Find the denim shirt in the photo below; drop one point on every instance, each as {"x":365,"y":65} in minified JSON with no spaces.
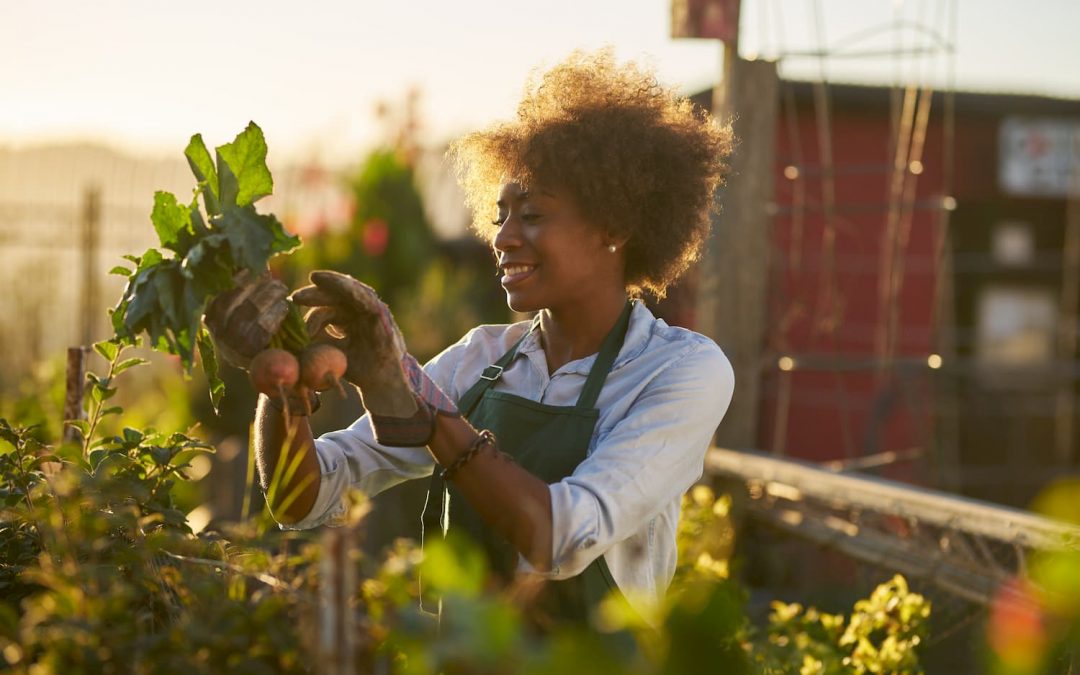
{"x":663,"y":399}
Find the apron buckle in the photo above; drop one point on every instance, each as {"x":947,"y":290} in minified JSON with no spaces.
{"x":492,"y":373}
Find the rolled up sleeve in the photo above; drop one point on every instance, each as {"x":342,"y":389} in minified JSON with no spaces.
{"x":643,"y":462}
{"x":351,"y":459}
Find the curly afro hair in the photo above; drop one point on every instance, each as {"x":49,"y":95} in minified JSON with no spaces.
{"x":638,"y":160}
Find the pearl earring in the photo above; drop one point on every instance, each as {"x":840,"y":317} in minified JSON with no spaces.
{"x":611,"y":248}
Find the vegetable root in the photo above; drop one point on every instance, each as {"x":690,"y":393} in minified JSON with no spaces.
{"x":322,"y":366}
{"x":274,"y":372}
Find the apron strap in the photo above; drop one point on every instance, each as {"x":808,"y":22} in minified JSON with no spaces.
{"x":605,"y":359}
{"x":468,"y":401}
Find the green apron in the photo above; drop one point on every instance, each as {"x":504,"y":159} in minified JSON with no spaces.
{"x":549,"y":442}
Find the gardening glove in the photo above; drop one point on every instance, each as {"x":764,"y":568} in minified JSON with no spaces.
{"x":243,"y":319}
{"x":400,"y":398}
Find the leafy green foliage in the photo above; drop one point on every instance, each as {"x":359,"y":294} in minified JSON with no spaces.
{"x":21,"y":473}
{"x":880,"y":636}
{"x":100,"y":572}
{"x":167,"y":293}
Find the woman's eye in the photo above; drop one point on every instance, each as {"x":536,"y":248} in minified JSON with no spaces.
{"x":530,"y":217}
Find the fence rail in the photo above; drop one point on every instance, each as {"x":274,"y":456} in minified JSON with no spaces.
{"x":964,"y":546}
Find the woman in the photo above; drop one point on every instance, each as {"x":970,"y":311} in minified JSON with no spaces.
{"x":564,"y":443}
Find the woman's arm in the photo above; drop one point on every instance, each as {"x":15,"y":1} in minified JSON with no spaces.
{"x":295,"y":494}
{"x":513,"y":502}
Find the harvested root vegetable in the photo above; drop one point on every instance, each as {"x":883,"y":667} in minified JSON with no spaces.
{"x":273,"y":371}
{"x":322,"y":367}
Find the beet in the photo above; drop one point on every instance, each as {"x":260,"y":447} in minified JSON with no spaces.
{"x":273,"y":371}
{"x":322,"y":366}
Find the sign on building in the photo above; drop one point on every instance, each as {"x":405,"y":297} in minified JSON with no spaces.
{"x":716,"y":19}
{"x":1038,"y":157}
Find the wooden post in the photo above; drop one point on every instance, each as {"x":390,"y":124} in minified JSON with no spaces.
{"x":733,"y":278}
{"x":73,"y":396}
{"x":91,"y":224}
{"x":337,"y":629}
{"x":1065,"y":401}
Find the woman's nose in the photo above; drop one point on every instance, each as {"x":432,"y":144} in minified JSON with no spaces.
{"x":508,"y":236}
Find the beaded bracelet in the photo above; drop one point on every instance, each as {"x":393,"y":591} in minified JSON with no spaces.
{"x":485,"y":438}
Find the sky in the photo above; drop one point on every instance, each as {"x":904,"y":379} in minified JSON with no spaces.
{"x":144,"y":75}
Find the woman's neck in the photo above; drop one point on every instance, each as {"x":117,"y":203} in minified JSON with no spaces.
{"x":571,"y":334}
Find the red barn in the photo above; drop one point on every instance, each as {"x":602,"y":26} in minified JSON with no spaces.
{"x":919,"y":297}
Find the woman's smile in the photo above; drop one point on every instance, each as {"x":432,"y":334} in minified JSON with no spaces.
{"x":515,"y":273}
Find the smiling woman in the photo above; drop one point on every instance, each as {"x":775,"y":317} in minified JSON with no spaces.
{"x":637,"y":160}
{"x":561,"y":445}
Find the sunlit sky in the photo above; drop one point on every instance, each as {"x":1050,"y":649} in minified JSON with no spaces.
{"x":146,"y":74}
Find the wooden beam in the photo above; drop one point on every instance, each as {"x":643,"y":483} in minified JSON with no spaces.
{"x":868,"y":493}
{"x":733,"y":277}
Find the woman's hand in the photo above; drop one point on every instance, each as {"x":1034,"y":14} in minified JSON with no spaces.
{"x":243,"y":319}
{"x":400,"y":398}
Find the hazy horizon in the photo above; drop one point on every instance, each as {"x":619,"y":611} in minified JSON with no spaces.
{"x":142,"y":77}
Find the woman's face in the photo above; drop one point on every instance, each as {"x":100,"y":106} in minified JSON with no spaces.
{"x":549,"y":256}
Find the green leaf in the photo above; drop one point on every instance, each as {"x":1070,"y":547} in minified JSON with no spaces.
{"x":283,"y":242}
{"x":208,"y":356}
{"x":151,"y":258}
{"x":140,"y":303}
{"x":6,"y":447}
{"x":114,"y":410}
{"x":120,"y":270}
{"x":116,"y":318}
{"x":208,"y":267}
{"x":172,"y":222}
{"x":96,"y":456}
{"x":185,"y":347}
{"x":82,"y":425}
{"x":128,"y":363}
{"x":107,"y":349}
{"x":254,"y":237}
{"x":228,"y":184}
{"x":160,"y":455}
{"x":132,"y":437}
{"x":198,"y":225}
{"x":169,"y":286}
{"x":100,"y":394}
{"x":202,"y":165}
{"x":245,"y":160}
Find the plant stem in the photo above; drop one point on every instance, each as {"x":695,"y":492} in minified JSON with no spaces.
{"x":20,"y":445}
{"x":96,"y":417}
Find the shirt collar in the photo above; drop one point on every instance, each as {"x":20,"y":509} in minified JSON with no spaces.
{"x":637,"y":338}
